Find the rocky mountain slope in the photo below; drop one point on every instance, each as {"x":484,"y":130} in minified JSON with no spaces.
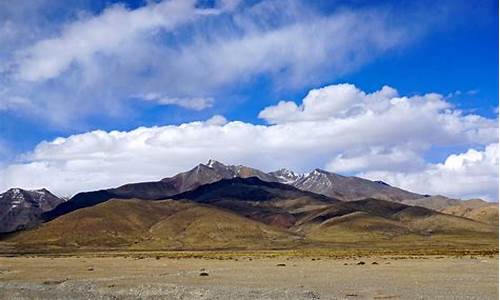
{"x":347,"y":188}
{"x":20,"y":209}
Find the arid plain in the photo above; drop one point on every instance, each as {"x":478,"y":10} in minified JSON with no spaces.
{"x":240,"y":275}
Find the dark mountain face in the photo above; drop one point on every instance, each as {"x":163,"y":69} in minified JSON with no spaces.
{"x":247,"y":189}
{"x":20,"y":209}
{"x":272,"y":203}
{"x":144,"y":190}
{"x":80,"y":200}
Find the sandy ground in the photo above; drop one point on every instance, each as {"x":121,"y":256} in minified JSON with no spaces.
{"x":249,"y":278}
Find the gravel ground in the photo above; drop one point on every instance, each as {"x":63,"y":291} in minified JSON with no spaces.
{"x":249,"y":278}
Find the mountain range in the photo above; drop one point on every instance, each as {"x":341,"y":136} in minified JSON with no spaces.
{"x":317,"y":181}
{"x":216,"y":206}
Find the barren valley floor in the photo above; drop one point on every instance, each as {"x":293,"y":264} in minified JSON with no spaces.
{"x":249,"y":277}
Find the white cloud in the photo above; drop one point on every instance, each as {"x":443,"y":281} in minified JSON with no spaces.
{"x":472,"y":174}
{"x":216,"y":120}
{"x":417,"y":120}
{"x":377,"y":135}
{"x":194,"y":103}
{"x":294,"y":54}
{"x":105,"y":33}
{"x":334,"y":101}
{"x":174,"y":48}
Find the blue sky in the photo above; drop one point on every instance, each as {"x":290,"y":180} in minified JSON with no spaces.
{"x":236,"y":59}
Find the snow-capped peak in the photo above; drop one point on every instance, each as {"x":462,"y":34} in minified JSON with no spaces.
{"x":210,"y":163}
{"x":288,"y":173}
{"x":213,"y":163}
{"x":316,"y":172}
{"x":286,"y":176}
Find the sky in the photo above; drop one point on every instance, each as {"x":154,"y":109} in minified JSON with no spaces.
{"x":100,"y":93}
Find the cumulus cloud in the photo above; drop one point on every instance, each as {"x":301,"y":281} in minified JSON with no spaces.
{"x":419,"y":120}
{"x":377,"y":135}
{"x":472,"y":174}
{"x":178,"y":49}
{"x":336,"y":101}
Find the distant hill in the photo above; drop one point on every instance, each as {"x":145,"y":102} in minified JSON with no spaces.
{"x":476,"y":209}
{"x":436,"y":202}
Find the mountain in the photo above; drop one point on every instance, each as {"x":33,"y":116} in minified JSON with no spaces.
{"x":247,"y":189}
{"x":20,"y":209}
{"x":201,"y":174}
{"x":347,"y":188}
{"x":250,"y":213}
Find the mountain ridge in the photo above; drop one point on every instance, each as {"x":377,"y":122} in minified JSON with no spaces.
{"x":320,"y":182}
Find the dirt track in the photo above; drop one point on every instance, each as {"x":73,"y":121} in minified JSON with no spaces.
{"x":249,"y":278}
